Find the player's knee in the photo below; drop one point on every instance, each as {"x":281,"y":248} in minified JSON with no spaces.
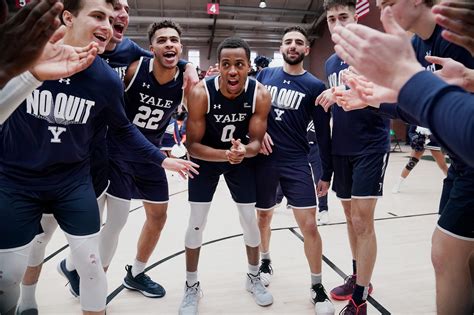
{"x":412,"y":163}
{"x":196,"y":225}
{"x":157,"y":219}
{"x":362,"y":225}
{"x":264,"y":219}
{"x":249,"y":225}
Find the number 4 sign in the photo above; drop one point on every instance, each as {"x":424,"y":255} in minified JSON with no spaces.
{"x":213,"y":8}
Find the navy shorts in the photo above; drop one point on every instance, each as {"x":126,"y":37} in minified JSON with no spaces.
{"x":74,"y":206}
{"x":240,"y":179}
{"x":359,"y":176}
{"x":132,"y":180}
{"x":457,"y":214}
{"x":296,"y":181}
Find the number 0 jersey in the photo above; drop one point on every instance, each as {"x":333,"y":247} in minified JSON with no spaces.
{"x":228,"y":119}
{"x":149,"y":105}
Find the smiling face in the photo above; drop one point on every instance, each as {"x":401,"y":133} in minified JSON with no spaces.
{"x":294,"y":47}
{"x":93,"y":23}
{"x":166,"y":47}
{"x":121,"y":20}
{"x":234,"y":66}
{"x":340,"y":15}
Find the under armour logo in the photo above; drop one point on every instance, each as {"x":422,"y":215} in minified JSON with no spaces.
{"x":246,"y":105}
{"x":107,"y":60}
{"x":217,"y":106}
{"x":343,"y":62}
{"x":286,"y":82}
{"x":146,"y":85}
{"x":67,"y":81}
{"x":278,"y":112}
{"x":56,"y":131}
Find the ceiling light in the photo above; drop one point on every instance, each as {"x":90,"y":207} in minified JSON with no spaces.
{"x":262,"y":4}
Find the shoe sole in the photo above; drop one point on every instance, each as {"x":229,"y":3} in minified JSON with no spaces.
{"x":147,"y":294}
{"x":60,"y":270}
{"x":31,"y":311}
{"x":345,"y":297}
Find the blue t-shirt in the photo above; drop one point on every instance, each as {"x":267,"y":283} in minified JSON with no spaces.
{"x":149,"y":105}
{"x":228,"y":119}
{"x":46,"y":143}
{"x":355,"y":132}
{"x":436,"y":45}
{"x":293,"y":98}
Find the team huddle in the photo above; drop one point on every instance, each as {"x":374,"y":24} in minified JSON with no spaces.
{"x":94,"y":150}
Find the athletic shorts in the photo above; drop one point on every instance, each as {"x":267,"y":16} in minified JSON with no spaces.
{"x":74,"y":206}
{"x":359,"y":176}
{"x":296,"y":181}
{"x":457,"y":214}
{"x":240,"y":179}
{"x":132,"y":180}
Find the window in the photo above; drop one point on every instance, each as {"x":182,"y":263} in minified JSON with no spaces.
{"x":194,"y":57}
{"x":277,"y":60}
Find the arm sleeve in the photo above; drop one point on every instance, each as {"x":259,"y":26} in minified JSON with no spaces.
{"x":15,"y":92}
{"x":130,"y":137}
{"x":322,"y":128}
{"x":447,"y":110}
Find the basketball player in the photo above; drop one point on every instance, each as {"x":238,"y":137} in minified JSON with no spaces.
{"x":360,"y":147}
{"x":453,"y":238}
{"x":227,"y":122}
{"x":59,"y":119}
{"x":294,"y":92}
{"x":154,"y":90}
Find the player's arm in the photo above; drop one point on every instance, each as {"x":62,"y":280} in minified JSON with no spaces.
{"x":321,"y":120}
{"x":196,"y":127}
{"x":258,"y":122}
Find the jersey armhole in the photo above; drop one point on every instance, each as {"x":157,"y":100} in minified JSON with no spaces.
{"x":134,"y":75}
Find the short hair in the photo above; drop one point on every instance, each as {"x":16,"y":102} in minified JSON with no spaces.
{"x":163,"y":24}
{"x":431,"y":3}
{"x":74,"y":6}
{"x":329,"y":4}
{"x":233,"y":42}
{"x":296,"y":28}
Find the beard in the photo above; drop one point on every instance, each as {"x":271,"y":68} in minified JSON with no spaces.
{"x":293,"y":62}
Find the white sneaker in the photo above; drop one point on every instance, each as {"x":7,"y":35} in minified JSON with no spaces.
{"x":321,"y":301}
{"x":255,"y":286}
{"x":323,"y":217}
{"x":396,"y":189}
{"x":192,"y":295}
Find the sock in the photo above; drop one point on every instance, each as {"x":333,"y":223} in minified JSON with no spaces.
{"x":360,"y":294}
{"x":138,"y":267}
{"x":253,"y":270}
{"x":27,"y":298}
{"x":399,"y":183}
{"x":191,"y":278}
{"x":69,"y":264}
{"x":265,"y":255}
{"x":354,"y":267}
{"x":316,"y":278}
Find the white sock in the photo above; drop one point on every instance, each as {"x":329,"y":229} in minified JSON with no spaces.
{"x":138,"y":267}
{"x":69,"y":264}
{"x":27,"y":297}
{"x":191,"y":278}
{"x":316,"y":278}
{"x":265,"y":255}
{"x":253,"y":270}
{"x":398,"y":184}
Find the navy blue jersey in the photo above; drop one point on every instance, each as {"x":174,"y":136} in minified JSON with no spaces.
{"x":293,"y":98}
{"x":228,"y":119}
{"x":436,"y":45}
{"x":126,"y":52}
{"x":355,"y":132}
{"x":149,"y":106}
{"x":46,"y":142}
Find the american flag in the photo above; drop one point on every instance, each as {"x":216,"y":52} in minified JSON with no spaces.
{"x":362,"y":7}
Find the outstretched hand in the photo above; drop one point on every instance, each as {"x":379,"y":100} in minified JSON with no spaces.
{"x":26,"y":34}
{"x":183,"y":167}
{"x":61,"y":61}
